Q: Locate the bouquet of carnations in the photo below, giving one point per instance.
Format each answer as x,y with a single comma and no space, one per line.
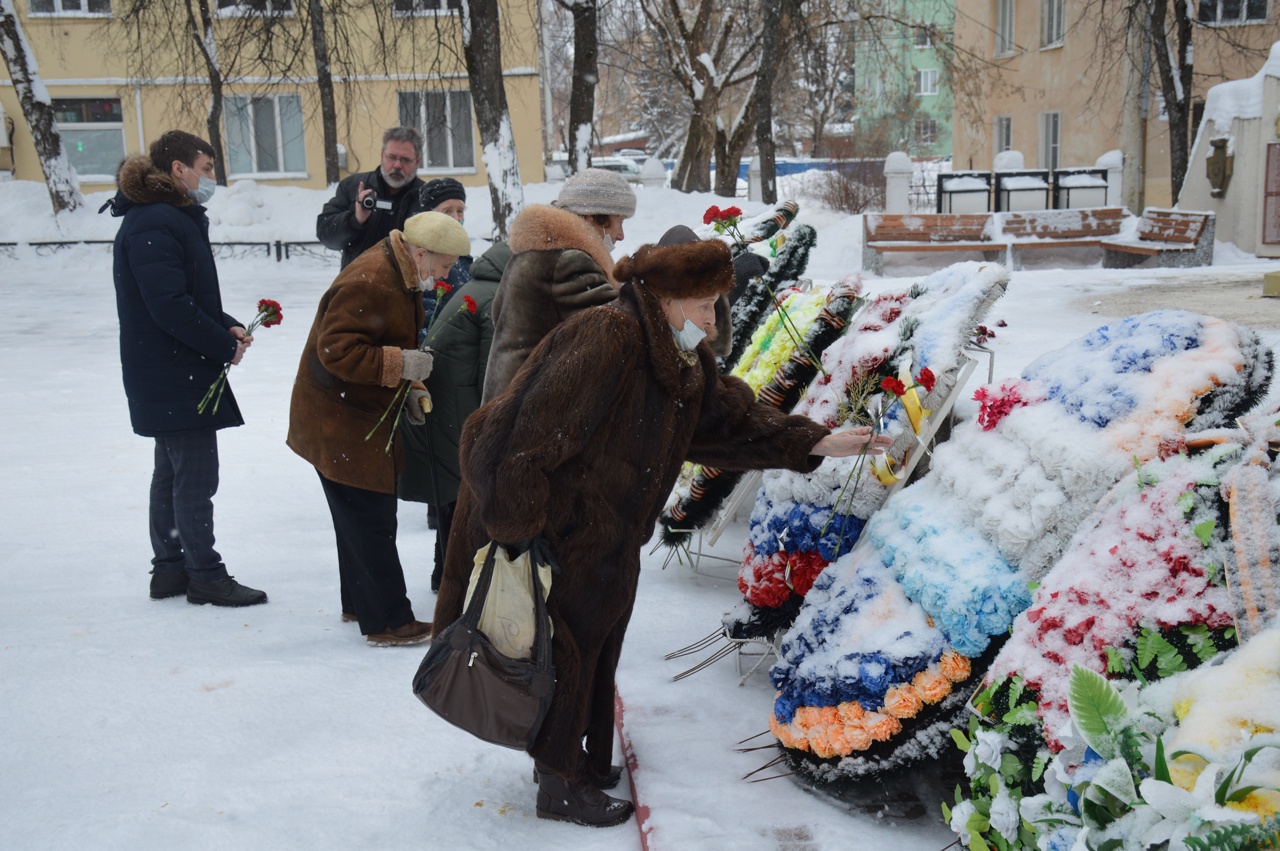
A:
269,313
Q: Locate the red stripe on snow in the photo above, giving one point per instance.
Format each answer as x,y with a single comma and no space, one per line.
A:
629,756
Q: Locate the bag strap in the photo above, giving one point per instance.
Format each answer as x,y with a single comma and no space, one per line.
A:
471,617
540,553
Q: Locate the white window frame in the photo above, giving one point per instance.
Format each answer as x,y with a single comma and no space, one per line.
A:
923,36
1240,21
1004,29
1050,146
256,171
420,124
65,126
1002,139
59,12
244,10
1053,22
925,139
926,81
427,9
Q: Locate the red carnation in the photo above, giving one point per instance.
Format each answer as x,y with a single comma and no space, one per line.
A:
270,312
729,213
889,384
443,288
470,302
926,379
712,213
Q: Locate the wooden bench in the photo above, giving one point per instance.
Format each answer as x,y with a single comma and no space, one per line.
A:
1176,238
884,232
1050,229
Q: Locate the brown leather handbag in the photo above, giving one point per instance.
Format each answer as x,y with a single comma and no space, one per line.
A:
468,683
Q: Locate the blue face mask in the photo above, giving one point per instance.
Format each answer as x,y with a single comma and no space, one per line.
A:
688,337
202,193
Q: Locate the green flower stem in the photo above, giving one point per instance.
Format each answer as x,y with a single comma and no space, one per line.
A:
397,402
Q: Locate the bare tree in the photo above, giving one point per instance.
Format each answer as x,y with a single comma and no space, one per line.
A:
247,37
586,75
37,109
324,85
711,49
482,47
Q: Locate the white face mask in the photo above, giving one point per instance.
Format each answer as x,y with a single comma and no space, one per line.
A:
608,242
688,337
204,191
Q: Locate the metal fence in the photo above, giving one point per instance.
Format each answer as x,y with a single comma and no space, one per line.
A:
279,249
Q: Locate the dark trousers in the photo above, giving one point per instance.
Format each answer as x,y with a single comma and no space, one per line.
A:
444,522
364,523
183,483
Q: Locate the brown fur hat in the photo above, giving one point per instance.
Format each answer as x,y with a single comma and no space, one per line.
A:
690,270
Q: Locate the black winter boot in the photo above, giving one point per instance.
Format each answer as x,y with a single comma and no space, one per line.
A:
165,584
224,592
579,802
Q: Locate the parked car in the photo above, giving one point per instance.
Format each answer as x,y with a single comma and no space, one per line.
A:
627,168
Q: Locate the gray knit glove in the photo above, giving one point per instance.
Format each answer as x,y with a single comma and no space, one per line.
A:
416,365
413,408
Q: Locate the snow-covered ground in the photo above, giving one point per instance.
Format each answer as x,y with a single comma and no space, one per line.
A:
128,723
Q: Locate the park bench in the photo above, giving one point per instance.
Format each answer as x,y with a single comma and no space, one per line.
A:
1176,238
1053,229
885,232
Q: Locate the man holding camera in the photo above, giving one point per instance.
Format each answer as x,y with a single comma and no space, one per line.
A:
367,207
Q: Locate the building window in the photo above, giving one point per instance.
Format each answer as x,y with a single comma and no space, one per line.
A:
444,118
1004,27
92,131
425,7
1232,11
1050,139
1052,22
70,7
255,7
926,81
264,135
926,130
1004,133
924,36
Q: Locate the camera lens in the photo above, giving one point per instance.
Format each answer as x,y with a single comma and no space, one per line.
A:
369,202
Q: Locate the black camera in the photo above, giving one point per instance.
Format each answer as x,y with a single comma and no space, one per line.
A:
373,202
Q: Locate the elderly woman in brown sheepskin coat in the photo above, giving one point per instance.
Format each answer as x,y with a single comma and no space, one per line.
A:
581,450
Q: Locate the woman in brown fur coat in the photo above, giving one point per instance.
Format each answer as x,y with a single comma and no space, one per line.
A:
581,450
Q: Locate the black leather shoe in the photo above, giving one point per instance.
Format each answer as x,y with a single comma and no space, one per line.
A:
224,592
168,584
579,802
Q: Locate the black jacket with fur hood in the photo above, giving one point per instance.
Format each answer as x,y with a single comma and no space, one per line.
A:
174,335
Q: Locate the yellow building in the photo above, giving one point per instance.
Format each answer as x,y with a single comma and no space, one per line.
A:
397,63
1062,93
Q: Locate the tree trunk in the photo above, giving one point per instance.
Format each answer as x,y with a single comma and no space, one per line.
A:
693,170
586,73
771,36
1175,83
37,109
202,33
482,49
730,147
324,83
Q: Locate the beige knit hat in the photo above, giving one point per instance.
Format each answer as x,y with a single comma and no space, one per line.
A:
597,190
437,232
